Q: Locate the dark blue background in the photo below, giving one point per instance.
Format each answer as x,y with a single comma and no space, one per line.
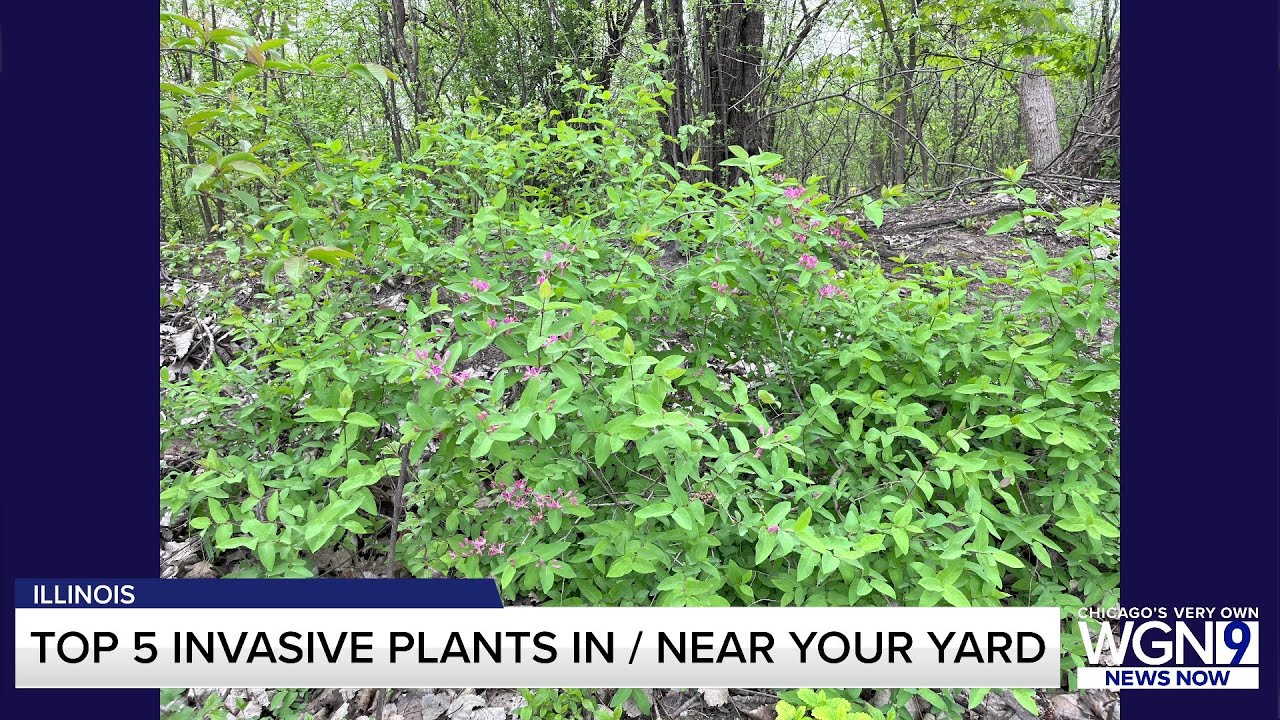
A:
78,91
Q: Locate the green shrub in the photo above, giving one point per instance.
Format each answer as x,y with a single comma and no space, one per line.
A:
601,383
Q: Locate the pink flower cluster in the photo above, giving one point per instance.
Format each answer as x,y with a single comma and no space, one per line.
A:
794,192
480,285
478,547
436,369
775,221
722,288
829,291
808,262
557,338
532,372
508,320
519,497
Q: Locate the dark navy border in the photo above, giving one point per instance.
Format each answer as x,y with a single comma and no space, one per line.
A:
78,223
77,109
1199,504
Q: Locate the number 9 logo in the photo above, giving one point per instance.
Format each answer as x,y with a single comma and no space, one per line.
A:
1236,636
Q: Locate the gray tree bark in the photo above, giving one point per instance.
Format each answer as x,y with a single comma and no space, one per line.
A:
1099,129
1039,113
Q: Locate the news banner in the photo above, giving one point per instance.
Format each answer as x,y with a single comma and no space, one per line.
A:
152,633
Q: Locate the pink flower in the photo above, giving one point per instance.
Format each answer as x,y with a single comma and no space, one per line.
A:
765,431
509,320
542,277
794,192
775,221
547,256
772,529
461,376
808,262
835,231
778,177
464,297
532,372
482,416
496,548
437,363
828,291
491,323
479,285
802,238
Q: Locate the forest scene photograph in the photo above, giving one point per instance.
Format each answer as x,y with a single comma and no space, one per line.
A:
721,303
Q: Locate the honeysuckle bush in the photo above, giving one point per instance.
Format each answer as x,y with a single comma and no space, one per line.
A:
601,383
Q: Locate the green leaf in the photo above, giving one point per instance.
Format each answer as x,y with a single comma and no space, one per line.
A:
621,566
329,254
249,168
362,420
765,545
1027,699
1005,223
802,522
874,211
1007,559
976,696
376,72
293,268
655,510
955,597
324,414
245,73
199,174
1103,383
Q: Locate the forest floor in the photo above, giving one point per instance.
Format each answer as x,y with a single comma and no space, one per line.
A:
947,231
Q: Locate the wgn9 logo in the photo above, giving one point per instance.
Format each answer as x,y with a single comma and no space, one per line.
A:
1154,642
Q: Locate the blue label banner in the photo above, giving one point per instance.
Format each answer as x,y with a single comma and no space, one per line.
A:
258,593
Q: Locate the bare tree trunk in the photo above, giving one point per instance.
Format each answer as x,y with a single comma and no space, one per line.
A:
1098,131
1039,115
665,21
732,41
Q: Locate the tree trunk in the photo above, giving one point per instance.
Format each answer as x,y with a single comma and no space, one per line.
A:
1039,115
1098,132
732,42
